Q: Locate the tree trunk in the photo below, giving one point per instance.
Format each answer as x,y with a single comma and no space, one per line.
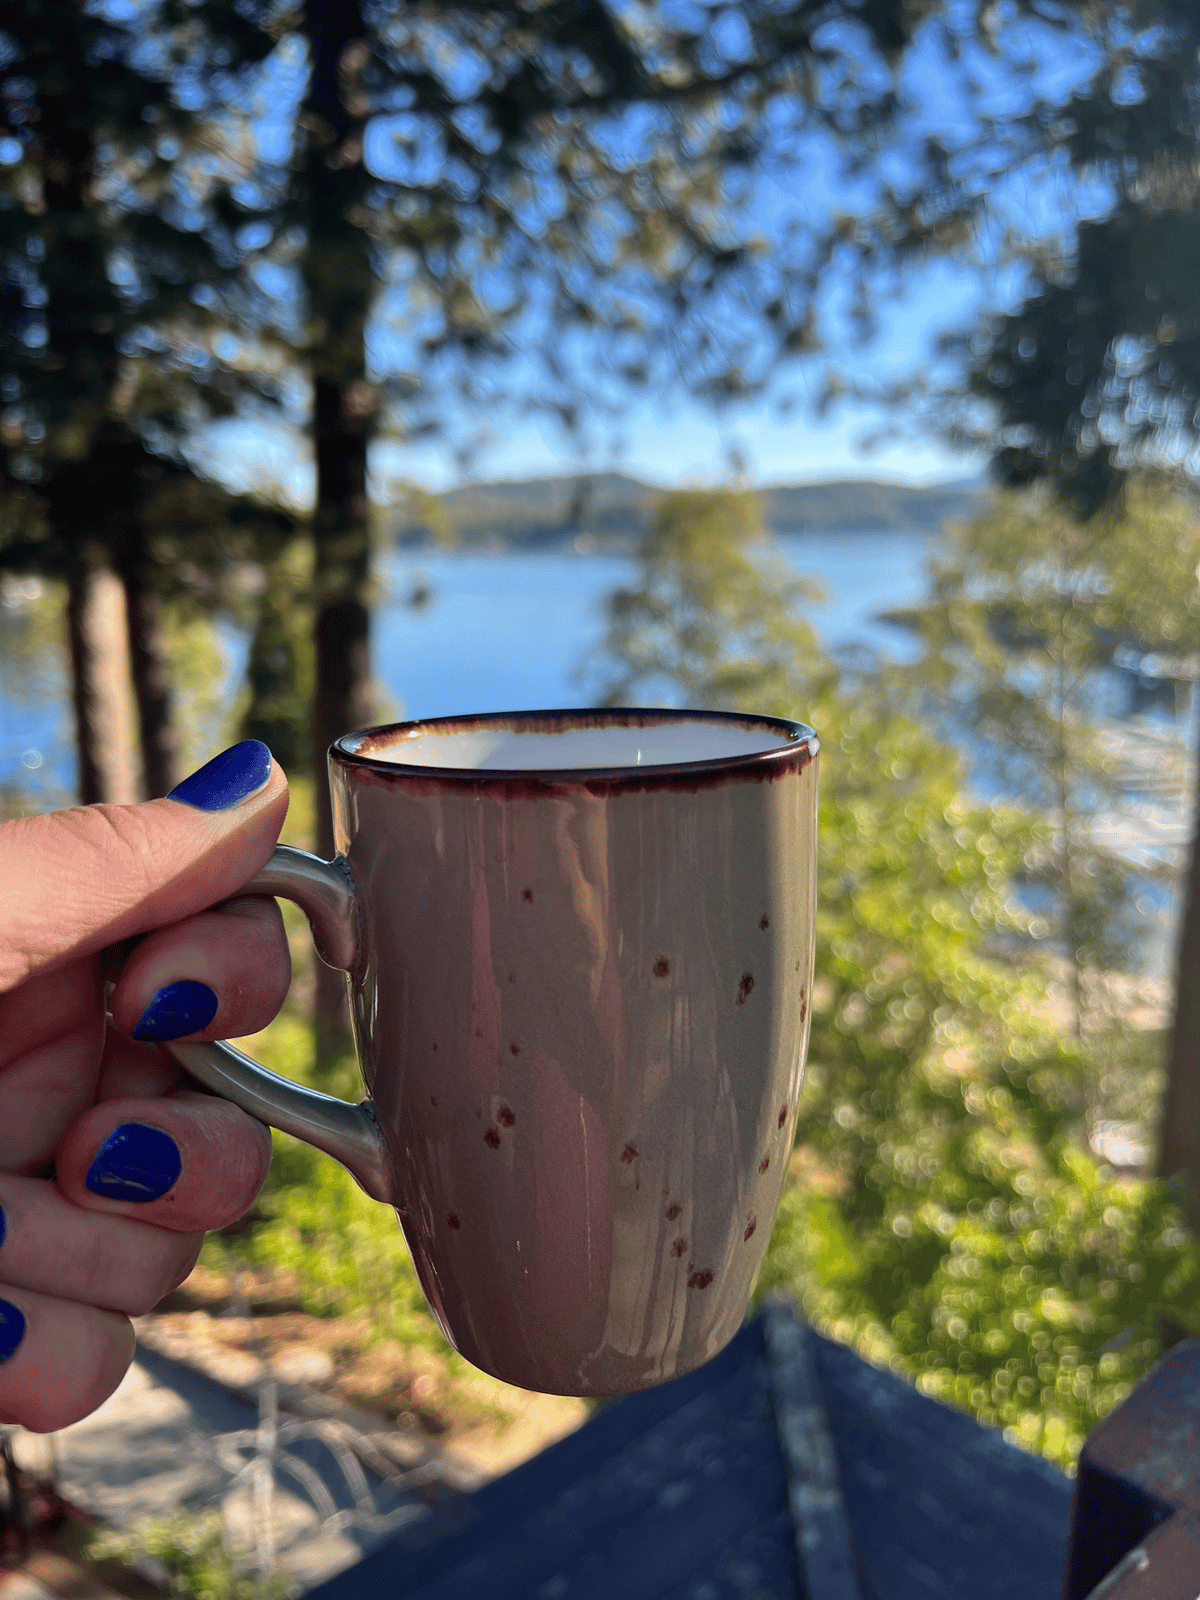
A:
96,629
96,635
1179,1137
149,661
344,695
340,282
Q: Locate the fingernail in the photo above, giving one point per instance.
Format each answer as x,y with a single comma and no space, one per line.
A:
3,1226
135,1162
227,779
177,1010
12,1329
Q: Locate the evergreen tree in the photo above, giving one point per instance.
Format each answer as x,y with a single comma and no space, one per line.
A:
1096,373
1028,604
942,1213
569,181
117,247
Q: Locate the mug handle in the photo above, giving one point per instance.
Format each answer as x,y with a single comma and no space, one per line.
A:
324,891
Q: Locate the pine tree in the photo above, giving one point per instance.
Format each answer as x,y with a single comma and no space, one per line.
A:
569,181
111,256
1096,373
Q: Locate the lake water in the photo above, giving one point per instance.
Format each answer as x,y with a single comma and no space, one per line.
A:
500,631
510,631
504,631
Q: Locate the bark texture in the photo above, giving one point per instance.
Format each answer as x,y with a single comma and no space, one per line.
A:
97,635
344,694
340,283
150,666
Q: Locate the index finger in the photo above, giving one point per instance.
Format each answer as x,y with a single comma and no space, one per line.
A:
76,881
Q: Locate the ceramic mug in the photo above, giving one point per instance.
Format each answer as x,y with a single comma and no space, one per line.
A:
579,948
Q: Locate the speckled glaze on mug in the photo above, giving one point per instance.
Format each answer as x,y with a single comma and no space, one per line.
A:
581,1010
579,948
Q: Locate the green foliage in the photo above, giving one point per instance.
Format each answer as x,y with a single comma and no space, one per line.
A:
279,672
1027,602
1036,1309
199,670
192,1548
943,1217
343,1252
1152,558
1093,375
713,620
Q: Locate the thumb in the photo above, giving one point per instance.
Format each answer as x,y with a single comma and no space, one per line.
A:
76,881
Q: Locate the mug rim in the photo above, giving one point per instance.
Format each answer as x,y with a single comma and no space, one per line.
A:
798,747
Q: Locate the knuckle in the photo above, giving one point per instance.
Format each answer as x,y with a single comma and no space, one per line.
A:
237,1196
118,838
94,1283
80,848
260,911
176,1258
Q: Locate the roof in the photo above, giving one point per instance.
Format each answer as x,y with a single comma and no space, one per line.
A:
787,1468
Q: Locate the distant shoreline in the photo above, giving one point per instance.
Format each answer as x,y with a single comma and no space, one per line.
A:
609,511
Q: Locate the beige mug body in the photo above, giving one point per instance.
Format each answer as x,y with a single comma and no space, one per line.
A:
580,948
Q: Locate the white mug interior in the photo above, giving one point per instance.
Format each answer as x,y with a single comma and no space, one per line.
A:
495,746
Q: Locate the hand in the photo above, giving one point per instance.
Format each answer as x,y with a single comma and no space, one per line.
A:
111,1165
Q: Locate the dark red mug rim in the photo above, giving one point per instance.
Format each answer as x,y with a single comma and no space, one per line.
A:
799,741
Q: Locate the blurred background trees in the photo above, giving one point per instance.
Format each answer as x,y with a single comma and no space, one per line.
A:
947,1213
539,178
1027,603
1095,374
559,182
333,225
116,253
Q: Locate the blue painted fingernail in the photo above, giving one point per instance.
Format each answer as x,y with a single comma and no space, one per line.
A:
3,1226
227,779
12,1329
135,1162
177,1010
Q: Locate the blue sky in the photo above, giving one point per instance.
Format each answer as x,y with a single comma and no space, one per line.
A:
671,440
670,446
680,444
666,438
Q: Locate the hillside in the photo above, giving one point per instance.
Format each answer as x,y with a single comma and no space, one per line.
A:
863,505
609,510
